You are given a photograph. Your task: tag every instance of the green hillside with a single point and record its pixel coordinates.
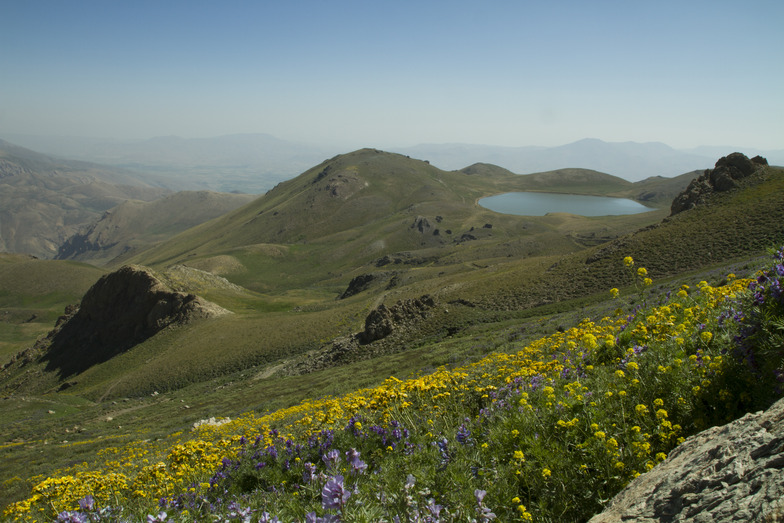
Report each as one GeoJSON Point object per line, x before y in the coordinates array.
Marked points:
{"type": "Point", "coordinates": [134, 225]}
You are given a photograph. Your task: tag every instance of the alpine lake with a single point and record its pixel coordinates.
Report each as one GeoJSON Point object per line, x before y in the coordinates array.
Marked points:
{"type": "Point", "coordinates": [541, 203]}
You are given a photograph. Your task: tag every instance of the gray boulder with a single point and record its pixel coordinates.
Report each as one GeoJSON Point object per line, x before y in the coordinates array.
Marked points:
{"type": "Point", "coordinates": [730, 473]}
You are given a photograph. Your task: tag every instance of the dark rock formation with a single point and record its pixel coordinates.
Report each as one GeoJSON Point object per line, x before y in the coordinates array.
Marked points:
{"type": "Point", "coordinates": [404, 258]}
{"type": "Point", "coordinates": [361, 283]}
{"type": "Point", "coordinates": [383, 320]}
{"type": "Point", "coordinates": [727, 173]}
{"type": "Point", "coordinates": [121, 310]}
{"type": "Point", "coordinates": [729, 473]}
{"type": "Point", "coordinates": [422, 224]}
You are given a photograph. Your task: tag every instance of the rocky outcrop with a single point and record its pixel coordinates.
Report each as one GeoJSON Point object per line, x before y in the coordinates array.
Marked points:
{"type": "Point", "coordinates": [362, 283]}
{"type": "Point", "coordinates": [122, 309]}
{"type": "Point", "coordinates": [422, 224]}
{"type": "Point", "coordinates": [726, 175]}
{"type": "Point", "coordinates": [730, 473]}
{"type": "Point", "coordinates": [388, 327]}
{"type": "Point", "coordinates": [383, 320]}
{"type": "Point", "coordinates": [404, 258]}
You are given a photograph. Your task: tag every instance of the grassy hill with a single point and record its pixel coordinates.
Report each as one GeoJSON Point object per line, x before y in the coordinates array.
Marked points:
{"type": "Point", "coordinates": [356, 208]}
{"type": "Point", "coordinates": [134, 225]}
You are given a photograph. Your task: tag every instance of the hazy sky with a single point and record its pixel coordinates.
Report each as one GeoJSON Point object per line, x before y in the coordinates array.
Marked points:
{"type": "Point", "coordinates": [396, 73]}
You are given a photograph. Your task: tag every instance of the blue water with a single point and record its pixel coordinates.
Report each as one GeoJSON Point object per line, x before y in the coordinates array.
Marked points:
{"type": "Point", "coordinates": [540, 203]}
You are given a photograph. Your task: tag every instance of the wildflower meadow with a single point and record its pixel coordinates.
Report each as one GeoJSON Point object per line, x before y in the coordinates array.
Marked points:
{"type": "Point", "coordinates": [549, 431]}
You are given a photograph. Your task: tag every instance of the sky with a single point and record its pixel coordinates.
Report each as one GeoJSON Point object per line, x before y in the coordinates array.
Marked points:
{"type": "Point", "coordinates": [382, 73]}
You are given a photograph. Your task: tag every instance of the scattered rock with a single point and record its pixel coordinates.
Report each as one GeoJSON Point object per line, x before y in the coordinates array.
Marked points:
{"type": "Point", "coordinates": [383, 322]}
{"type": "Point", "coordinates": [730, 473]}
{"type": "Point", "coordinates": [403, 258]}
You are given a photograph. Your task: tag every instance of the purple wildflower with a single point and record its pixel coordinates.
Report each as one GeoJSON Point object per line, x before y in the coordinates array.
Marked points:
{"type": "Point", "coordinates": [72, 516]}
{"type": "Point", "coordinates": [357, 465]}
{"type": "Point", "coordinates": [160, 518]}
{"type": "Point", "coordinates": [331, 458]}
{"type": "Point", "coordinates": [484, 513]}
{"type": "Point", "coordinates": [87, 503]}
{"type": "Point", "coordinates": [463, 435]}
{"type": "Point", "coordinates": [237, 512]}
{"type": "Point", "coordinates": [443, 448]}
{"type": "Point", "coordinates": [434, 509]}
{"type": "Point", "coordinates": [334, 494]}
{"type": "Point", "coordinates": [309, 473]}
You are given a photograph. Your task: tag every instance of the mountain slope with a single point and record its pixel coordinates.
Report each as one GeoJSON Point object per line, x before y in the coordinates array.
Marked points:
{"type": "Point", "coordinates": [135, 225]}
{"type": "Point", "coordinates": [43, 201]}
{"type": "Point", "coordinates": [251, 163]}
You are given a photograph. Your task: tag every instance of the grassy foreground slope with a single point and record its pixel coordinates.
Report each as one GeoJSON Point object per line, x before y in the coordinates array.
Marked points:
{"type": "Point", "coordinates": [540, 431]}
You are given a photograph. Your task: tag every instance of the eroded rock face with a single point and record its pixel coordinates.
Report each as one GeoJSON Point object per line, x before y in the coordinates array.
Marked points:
{"type": "Point", "coordinates": [383, 320]}
{"type": "Point", "coordinates": [121, 310]}
{"type": "Point", "coordinates": [730, 473]}
{"type": "Point", "coordinates": [729, 170]}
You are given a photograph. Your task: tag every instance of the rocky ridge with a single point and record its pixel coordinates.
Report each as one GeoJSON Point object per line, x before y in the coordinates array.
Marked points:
{"type": "Point", "coordinates": [726, 175]}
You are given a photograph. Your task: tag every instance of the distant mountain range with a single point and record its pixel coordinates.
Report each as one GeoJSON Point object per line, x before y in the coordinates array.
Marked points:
{"type": "Point", "coordinates": [254, 163]}
{"type": "Point", "coordinates": [249, 163]}
{"type": "Point", "coordinates": [629, 160]}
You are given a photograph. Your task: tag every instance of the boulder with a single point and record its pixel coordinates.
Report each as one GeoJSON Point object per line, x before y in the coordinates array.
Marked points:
{"type": "Point", "coordinates": [733, 472]}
